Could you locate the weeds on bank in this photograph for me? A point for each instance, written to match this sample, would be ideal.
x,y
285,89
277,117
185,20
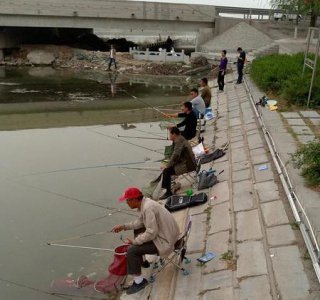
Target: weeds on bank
x,y
282,75
307,158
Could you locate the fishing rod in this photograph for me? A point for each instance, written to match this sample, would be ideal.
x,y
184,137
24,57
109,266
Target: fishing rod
x,y
78,237
141,137
145,103
133,144
34,289
80,247
116,210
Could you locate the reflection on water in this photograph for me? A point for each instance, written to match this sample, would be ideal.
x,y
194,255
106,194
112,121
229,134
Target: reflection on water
x,y
44,84
65,182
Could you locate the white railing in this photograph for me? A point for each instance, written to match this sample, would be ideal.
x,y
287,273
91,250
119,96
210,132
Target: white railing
x,y
161,55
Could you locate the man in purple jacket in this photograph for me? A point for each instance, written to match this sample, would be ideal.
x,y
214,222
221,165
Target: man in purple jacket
x,y
222,70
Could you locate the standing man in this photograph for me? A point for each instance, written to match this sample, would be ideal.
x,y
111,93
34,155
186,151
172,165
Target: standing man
x,y
222,69
169,43
240,64
189,122
112,59
181,161
205,92
159,237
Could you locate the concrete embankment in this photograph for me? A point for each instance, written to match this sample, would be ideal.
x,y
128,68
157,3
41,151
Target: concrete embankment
x,y
247,221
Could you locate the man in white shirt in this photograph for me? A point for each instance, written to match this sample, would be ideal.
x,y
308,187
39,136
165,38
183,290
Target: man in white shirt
x,y
198,104
112,59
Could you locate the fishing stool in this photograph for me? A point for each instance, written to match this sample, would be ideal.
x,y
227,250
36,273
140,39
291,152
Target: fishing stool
x,y
177,257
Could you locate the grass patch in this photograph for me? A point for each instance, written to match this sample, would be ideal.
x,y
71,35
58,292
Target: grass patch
x,y
281,75
307,158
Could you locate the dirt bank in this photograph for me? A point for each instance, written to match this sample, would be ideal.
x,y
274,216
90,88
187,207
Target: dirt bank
x,y
67,57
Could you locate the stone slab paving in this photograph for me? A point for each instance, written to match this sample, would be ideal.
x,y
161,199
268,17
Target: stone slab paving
x,y
217,280
305,139
248,225
274,213
315,122
290,115
220,294
296,122
243,195
289,273
196,242
280,235
217,223
310,114
251,259
301,130
255,288
241,175
267,191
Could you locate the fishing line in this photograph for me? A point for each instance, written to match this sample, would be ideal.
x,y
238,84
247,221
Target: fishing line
x,y
124,211
77,237
33,289
141,137
133,144
86,168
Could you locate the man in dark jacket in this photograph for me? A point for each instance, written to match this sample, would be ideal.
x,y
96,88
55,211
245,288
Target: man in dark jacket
x,y
181,161
189,122
240,64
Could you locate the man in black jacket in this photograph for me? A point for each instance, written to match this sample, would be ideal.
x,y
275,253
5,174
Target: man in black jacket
x,y
189,122
240,64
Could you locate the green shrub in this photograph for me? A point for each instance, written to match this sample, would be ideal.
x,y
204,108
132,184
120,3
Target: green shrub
x,y
282,74
307,157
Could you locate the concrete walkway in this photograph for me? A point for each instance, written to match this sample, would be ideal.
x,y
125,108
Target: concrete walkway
x,y
247,222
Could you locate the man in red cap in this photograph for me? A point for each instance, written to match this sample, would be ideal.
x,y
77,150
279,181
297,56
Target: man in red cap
x,y
159,237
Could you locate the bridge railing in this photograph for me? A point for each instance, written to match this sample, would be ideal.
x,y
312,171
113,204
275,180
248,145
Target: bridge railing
x,y
161,55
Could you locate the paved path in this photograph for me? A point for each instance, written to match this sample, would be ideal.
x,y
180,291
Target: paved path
x,y
247,220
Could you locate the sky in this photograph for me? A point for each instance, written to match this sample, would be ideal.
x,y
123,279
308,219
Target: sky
x,y
237,3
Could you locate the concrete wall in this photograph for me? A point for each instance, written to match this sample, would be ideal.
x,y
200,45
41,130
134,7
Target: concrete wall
x,y
98,13
204,35
222,24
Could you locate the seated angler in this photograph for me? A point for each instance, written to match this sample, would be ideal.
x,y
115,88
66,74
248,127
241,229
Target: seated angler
x,y
189,122
198,104
181,161
158,236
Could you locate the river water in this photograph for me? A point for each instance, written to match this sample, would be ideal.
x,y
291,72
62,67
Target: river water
x,y
63,182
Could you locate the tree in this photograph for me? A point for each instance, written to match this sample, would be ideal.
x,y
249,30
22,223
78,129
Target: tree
x,y
298,7
314,7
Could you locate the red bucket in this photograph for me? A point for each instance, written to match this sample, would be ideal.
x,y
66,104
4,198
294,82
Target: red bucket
x,y
119,264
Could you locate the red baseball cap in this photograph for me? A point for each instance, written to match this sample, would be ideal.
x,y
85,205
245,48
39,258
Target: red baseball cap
x,y
130,193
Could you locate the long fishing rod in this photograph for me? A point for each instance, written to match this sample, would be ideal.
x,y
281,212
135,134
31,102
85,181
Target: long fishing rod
x,y
145,103
116,210
133,144
80,247
34,289
141,137
77,237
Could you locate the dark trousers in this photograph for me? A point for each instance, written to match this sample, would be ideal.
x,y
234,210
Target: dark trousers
x,y
112,60
240,72
221,80
166,178
135,254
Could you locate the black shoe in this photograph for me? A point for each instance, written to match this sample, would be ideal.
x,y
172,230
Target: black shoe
x,y
135,288
166,195
145,264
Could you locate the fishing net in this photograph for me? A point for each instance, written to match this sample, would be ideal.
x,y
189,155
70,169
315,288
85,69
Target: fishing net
x,y
85,286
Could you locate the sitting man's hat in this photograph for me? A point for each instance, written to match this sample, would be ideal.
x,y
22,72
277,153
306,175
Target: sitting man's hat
x,y
130,193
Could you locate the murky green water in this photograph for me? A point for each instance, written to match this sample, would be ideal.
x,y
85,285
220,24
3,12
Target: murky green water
x,y
64,182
